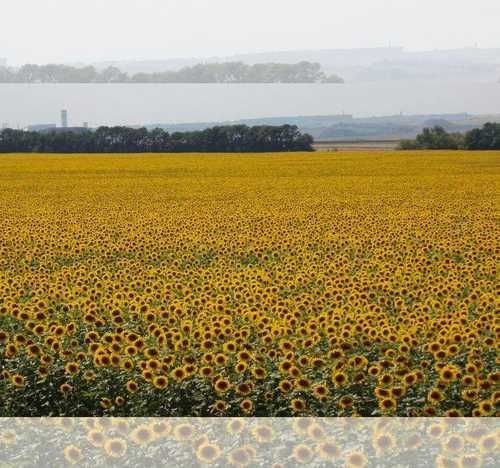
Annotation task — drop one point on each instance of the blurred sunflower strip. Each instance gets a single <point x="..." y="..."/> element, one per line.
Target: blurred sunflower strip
<point x="274" y="442"/>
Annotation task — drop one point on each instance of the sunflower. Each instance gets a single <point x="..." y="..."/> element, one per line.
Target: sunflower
<point x="89" y="375"/>
<point x="356" y="459"/>
<point x="115" y="447"/>
<point x="387" y="405"/>
<point x="488" y="443"/>
<point x="161" y="428"/>
<point x="18" y="380"/>
<point x="454" y="443"/>
<point x="206" y="371"/>
<point x="199" y="441"/>
<point x="475" y="433"/>
<point x="398" y="391"/>
<point x="301" y="425"/>
<point x="73" y="454"/>
<point x="302" y="384"/>
<point x="178" y="374"/>
<point x="67" y="424"/>
<point x="259" y="373"/>
<point x="494" y="377"/>
<point x="316" y="432"/>
<point x="72" y="368"/>
<point x="229" y="347"/>
<point x="235" y="425"/>
<point x="132" y="386"/>
<point x="447" y="374"/>
<point x="244" y="388"/>
<point x="239" y="457"/>
<point x="121" y="425"/>
<point x="302" y="454"/>
<point x="413" y="442"/>
<point x="126" y="364"/>
<point x="119" y="401"/>
<point x="221" y="359"/>
<point x="208" y="453"/>
<point x="445" y="462"/>
<point x="142" y="435"/>
<point x="65" y="389"/>
<point x="220" y="406"/>
<point x="320" y="391"/>
<point x="131" y="350"/>
<point x="410" y="378"/>
<point x="297" y="405"/>
<point x="486" y="408"/>
<point x="222" y="385"/>
<point x="339" y="378"/>
<point x="33" y="349"/>
<point x="184" y="431"/>
<point x="385" y="380"/>
<point x="96" y="437"/>
<point x="105" y="403"/>
<point x="285" y="386"/>
<point x="241" y="367"/>
<point x="8" y="437"/>
<point x="246" y="406"/>
<point x="160" y="382"/>
<point x="263" y="433"/>
<point x="435" y="396"/>
<point x="383" y="442"/>
<point x="468" y="380"/>
<point x="470" y="394"/>
<point x="284" y="366"/>
<point x="190" y="369"/>
<point x="42" y="372"/>
<point x="346" y="402"/>
<point x="470" y="461"/>
<point x="430" y="411"/>
<point x="328" y="451"/>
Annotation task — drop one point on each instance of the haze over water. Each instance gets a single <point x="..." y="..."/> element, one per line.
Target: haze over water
<point x="143" y="104"/>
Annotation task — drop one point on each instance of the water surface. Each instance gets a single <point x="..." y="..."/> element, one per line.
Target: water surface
<point x="137" y="104"/>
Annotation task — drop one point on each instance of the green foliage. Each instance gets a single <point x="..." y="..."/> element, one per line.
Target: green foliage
<point x="485" y="138"/>
<point x="408" y="145"/>
<point x="434" y="138"/>
<point x="232" y="138"/>
<point x="228" y="72"/>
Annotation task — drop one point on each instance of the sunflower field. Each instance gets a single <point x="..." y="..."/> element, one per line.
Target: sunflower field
<point x="253" y="442"/>
<point x="301" y="284"/>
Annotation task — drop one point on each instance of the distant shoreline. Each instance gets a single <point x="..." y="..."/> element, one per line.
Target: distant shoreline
<point x="201" y="73"/>
<point x="357" y="145"/>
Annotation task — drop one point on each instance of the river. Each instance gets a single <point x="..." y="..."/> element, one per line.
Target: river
<point x="140" y="104"/>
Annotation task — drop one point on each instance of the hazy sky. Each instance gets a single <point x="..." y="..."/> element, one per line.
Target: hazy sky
<point x="41" y="31"/>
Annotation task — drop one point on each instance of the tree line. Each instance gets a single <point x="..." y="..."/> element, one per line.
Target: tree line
<point x="485" y="138"/>
<point x="235" y="138"/>
<point x="229" y="72"/>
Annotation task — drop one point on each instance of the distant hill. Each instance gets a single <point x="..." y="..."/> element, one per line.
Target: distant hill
<point x="329" y="58"/>
<point x="357" y="65"/>
<point x="346" y="127"/>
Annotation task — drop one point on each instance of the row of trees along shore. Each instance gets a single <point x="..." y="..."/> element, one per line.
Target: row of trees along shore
<point x="228" y="72"/>
<point x="485" y="138"/>
<point x="235" y="138"/>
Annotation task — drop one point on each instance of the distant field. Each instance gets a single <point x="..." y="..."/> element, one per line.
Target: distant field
<point x="350" y="283"/>
<point x="375" y="145"/>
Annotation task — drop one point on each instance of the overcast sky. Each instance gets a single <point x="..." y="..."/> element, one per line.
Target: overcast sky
<point x="41" y="31"/>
